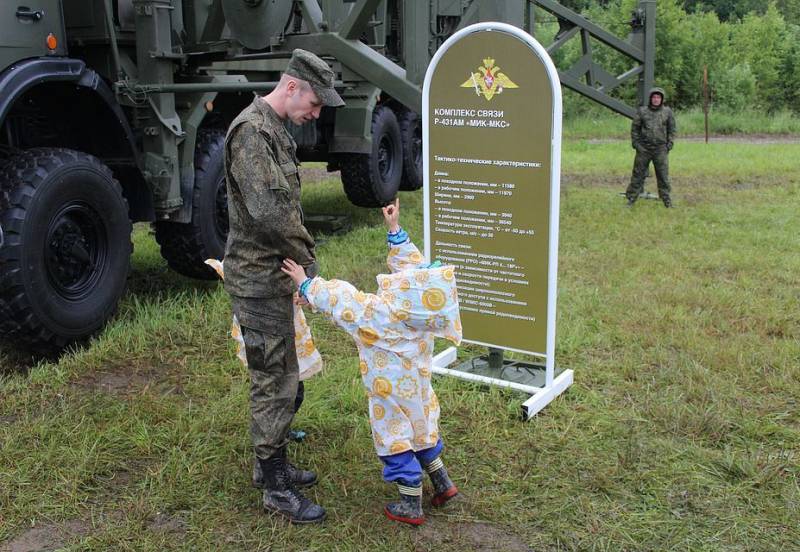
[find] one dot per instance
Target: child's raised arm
(391, 216)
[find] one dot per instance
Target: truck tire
(186, 246)
(411, 135)
(373, 180)
(66, 257)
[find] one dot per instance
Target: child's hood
(424, 299)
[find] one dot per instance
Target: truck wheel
(66, 257)
(411, 133)
(186, 246)
(373, 180)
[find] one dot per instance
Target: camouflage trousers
(660, 159)
(268, 333)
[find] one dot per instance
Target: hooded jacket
(394, 330)
(653, 128)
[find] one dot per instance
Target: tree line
(751, 49)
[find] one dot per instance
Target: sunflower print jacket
(394, 330)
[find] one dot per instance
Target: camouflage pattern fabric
(266, 219)
(266, 226)
(660, 160)
(268, 333)
(310, 68)
(652, 134)
(308, 358)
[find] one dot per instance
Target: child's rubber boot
(409, 508)
(443, 487)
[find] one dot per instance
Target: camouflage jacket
(653, 128)
(266, 219)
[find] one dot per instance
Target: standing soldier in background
(652, 133)
(266, 226)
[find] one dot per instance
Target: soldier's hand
(296, 272)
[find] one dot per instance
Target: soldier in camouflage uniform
(266, 226)
(652, 134)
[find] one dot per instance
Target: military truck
(114, 112)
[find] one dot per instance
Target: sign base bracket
(643, 195)
(521, 376)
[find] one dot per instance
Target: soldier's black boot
(667, 203)
(443, 487)
(409, 508)
(282, 497)
(301, 478)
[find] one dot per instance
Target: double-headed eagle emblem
(488, 80)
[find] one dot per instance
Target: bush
(734, 87)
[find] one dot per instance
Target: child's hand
(300, 301)
(391, 215)
(296, 272)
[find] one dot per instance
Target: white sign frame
(554, 386)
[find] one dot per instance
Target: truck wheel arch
(110, 136)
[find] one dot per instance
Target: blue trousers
(406, 468)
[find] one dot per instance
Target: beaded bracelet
(304, 287)
(397, 238)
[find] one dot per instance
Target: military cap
(308, 67)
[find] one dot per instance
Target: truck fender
(20, 77)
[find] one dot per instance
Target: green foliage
(735, 87)
(761, 42)
(672, 44)
(594, 122)
(750, 48)
(791, 68)
(705, 46)
(736, 9)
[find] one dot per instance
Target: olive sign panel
(492, 138)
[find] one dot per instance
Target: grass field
(681, 432)
(600, 122)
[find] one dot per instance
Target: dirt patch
(13, 360)
(481, 536)
(132, 380)
(682, 186)
(591, 181)
(114, 482)
(168, 523)
(746, 138)
(47, 537)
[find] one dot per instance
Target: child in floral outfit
(394, 331)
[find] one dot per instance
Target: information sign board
(492, 159)
(492, 122)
